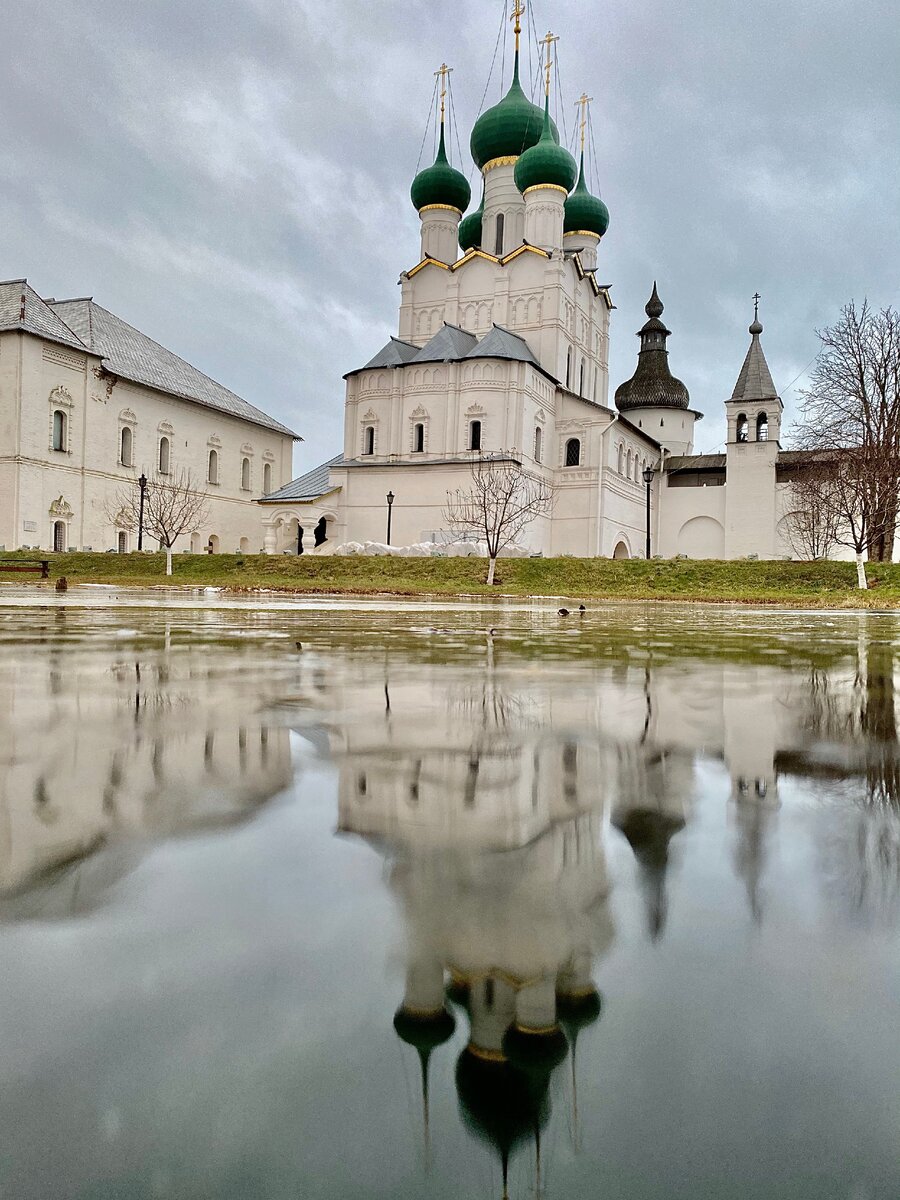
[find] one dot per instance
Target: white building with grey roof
(88, 404)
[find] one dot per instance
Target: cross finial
(443, 72)
(548, 41)
(756, 300)
(516, 15)
(583, 101)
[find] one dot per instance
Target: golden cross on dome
(548, 41)
(443, 72)
(583, 101)
(516, 15)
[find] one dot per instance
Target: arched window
(498, 243)
(569, 357)
(581, 379)
(762, 427)
(538, 443)
(742, 428)
(573, 452)
(267, 479)
(369, 440)
(245, 474)
(126, 447)
(475, 435)
(418, 438)
(620, 464)
(59, 430)
(628, 465)
(212, 470)
(164, 451)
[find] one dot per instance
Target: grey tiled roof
(500, 343)
(130, 354)
(310, 486)
(755, 380)
(22, 308)
(449, 344)
(694, 462)
(393, 354)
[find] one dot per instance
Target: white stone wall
(37, 483)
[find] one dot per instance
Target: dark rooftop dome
(652, 385)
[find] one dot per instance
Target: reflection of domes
(441, 184)
(535, 1050)
(649, 832)
(500, 1104)
(457, 990)
(426, 1033)
(509, 128)
(576, 1012)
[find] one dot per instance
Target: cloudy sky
(233, 177)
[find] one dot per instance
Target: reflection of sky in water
(227, 863)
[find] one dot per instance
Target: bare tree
(173, 506)
(502, 501)
(853, 404)
(812, 527)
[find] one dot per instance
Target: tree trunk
(492, 566)
(168, 560)
(861, 570)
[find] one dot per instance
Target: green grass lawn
(820, 584)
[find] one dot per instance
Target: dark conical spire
(652, 385)
(755, 380)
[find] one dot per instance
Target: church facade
(502, 350)
(88, 404)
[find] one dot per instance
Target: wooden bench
(33, 565)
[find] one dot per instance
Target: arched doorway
(212, 546)
(701, 537)
(621, 551)
(321, 531)
(122, 542)
(59, 536)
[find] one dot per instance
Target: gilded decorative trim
(524, 249)
(550, 187)
(582, 233)
(494, 1056)
(434, 262)
(443, 207)
(468, 256)
(505, 160)
(538, 1030)
(421, 1014)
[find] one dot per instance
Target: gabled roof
(310, 486)
(393, 354)
(501, 343)
(22, 308)
(449, 344)
(755, 380)
(131, 355)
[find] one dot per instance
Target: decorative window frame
(246, 455)
(475, 412)
(419, 416)
(127, 420)
(60, 399)
(214, 442)
(369, 420)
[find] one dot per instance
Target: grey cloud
(233, 179)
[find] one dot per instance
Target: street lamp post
(390, 504)
(142, 484)
(649, 472)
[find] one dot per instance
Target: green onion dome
(509, 128)
(546, 163)
(470, 228)
(441, 184)
(585, 213)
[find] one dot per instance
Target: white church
(502, 350)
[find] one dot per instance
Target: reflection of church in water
(493, 804)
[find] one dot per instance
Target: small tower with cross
(754, 429)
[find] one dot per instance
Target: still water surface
(605, 905)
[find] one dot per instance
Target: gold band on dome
(582, 233)
(540, 187)
(421, 1014)
(443, 207)
(506, 160)
(487, 1055)
(539, 1030)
